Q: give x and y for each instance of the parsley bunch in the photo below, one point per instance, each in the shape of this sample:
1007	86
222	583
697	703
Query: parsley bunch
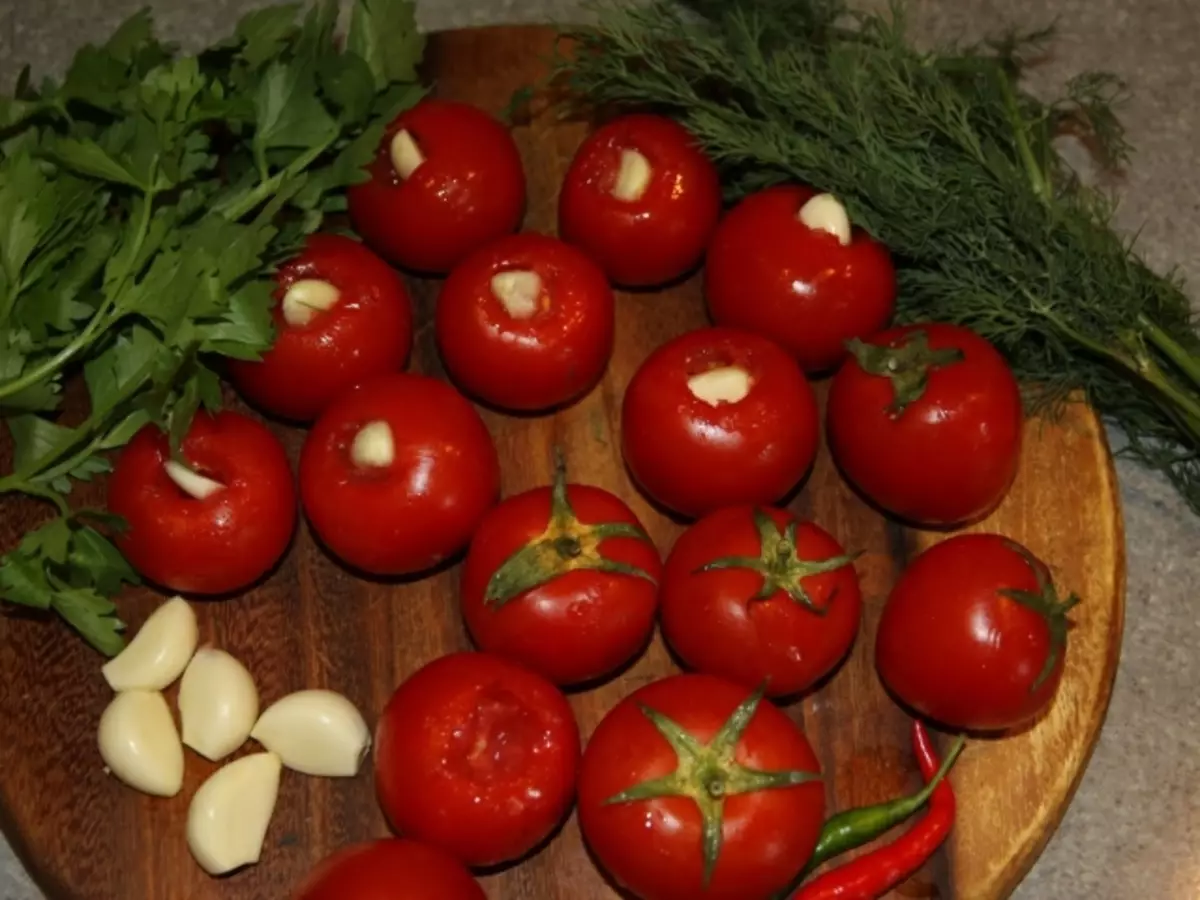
144	200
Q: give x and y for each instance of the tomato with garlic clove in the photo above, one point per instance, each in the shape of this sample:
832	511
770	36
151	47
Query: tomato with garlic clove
642	199
526	323
447	178
213	521
397	473
389	869
786	263
341	315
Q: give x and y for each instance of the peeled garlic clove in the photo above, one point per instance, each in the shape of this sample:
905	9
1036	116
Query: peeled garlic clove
218	704
158	653
139	744
230	813
315	732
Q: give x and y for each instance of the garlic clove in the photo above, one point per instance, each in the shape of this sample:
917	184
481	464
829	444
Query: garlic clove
406	156
633	177
727	384
195	485
307	297
374	447
139	744
824	212
158	653
315	732
218	704
518	292
230	813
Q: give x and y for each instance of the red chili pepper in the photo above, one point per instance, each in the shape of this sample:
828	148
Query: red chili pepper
874	874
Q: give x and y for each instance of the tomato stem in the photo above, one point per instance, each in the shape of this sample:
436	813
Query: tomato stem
1047	604
906	362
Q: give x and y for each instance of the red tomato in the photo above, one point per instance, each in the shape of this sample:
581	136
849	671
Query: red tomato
562	579
757	596
392	869
526	323
642	199
926	420
318	353
718	417
768	271
397	473
213	525
974	634
648	832
478	756
446	180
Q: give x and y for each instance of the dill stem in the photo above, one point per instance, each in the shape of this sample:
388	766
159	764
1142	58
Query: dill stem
1037	178
1170	348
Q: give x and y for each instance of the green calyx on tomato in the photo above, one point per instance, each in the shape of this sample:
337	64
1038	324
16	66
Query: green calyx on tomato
1047	604
708	773
565	546
906	364
779	563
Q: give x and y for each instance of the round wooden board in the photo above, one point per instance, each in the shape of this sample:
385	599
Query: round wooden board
86	837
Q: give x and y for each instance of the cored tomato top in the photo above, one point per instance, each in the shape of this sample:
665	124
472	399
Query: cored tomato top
526	322
446	180
342	315
642	199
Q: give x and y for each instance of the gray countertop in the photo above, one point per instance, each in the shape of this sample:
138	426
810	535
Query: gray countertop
1133	830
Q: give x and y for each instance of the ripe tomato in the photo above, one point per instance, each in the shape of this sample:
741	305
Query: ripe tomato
526	322
926	420
215	521
478	756
642	199
562	579
446	180
342	315
755	596
805	279
718	417
729	809
391	869
974	634
397	473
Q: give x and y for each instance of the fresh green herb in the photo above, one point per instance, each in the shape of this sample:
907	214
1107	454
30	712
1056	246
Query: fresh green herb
143	202
946	160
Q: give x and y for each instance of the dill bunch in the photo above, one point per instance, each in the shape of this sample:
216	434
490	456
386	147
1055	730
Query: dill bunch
946	160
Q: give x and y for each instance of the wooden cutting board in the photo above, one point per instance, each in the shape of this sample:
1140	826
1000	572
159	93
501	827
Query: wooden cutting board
311	624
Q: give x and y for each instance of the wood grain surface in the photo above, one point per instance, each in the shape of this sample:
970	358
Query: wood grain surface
312	624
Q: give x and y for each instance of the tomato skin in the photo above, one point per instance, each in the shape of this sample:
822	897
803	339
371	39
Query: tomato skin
469	190
695	458
389	869
526	364
952	648
712	622
368	332
409	516
653	847
951	455
478	756
661	235
219	544
768	272
579	626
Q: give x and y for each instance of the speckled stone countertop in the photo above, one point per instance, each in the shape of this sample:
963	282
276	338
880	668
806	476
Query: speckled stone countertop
1133	830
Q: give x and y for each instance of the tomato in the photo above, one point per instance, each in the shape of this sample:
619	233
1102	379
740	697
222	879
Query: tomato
391	869
397	473
757	596
926	421
526	323
214	522
562	579
318	353
810	289
642	199
478	756
446	180
718	417
974	635
735	767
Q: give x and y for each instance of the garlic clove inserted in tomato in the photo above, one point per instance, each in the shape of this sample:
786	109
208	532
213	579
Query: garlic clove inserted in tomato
218	704
315	732
518	291
825	212
374	446
633	177
140	745
405	155
726	384
307	297
158	653
230	813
